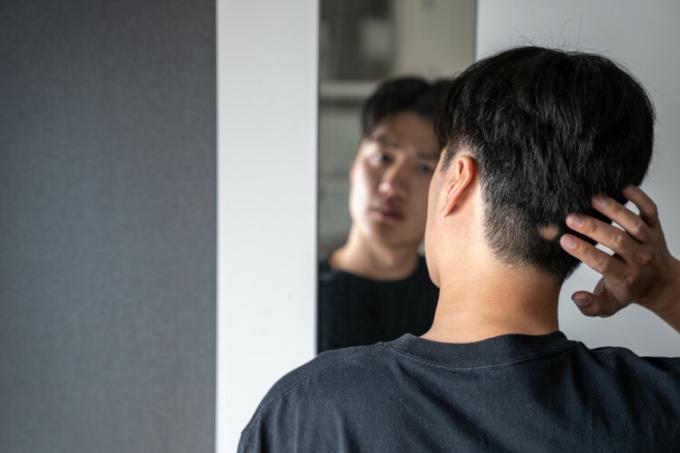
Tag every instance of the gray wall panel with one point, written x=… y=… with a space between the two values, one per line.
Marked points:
x=107 y=226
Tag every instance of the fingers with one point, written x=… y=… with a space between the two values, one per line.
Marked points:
x=629 y=221
x=627 y=273
x=636 y=226
x=648 y=209
x=609 y=236
x=599 y=261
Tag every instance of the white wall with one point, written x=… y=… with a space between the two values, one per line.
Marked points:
x=267 y=102
x=644 y=37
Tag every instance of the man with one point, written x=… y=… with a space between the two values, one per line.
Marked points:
x=530 y=135
x=375 y=287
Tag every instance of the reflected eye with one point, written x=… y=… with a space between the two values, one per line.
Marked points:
x=425 y=169
x=380 y=157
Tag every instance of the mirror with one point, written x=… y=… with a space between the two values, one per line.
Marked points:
x=393 y=149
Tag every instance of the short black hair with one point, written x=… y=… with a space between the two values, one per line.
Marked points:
x=548 y=129
x=402 y=94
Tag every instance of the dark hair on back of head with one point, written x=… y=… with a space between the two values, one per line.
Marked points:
x=402 y=94
x=548 y=129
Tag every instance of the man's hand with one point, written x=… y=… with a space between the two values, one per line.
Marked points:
x=642 y=270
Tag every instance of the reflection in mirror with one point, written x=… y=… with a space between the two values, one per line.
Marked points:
x=384 y=66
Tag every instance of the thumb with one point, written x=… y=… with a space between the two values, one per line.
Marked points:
x=586 y=302
x=592 y=304
x=598 y=303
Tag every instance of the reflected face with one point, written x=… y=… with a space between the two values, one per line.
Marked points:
x=389 y=179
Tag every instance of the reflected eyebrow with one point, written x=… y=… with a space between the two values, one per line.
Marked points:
x=428 y=156
x=383 y=140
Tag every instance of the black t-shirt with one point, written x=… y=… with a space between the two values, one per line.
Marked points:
x=356 y=311
x=512 y=393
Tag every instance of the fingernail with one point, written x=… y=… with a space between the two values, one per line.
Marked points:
x=600 y=201
x=575 y=220
x=568 y=242
x=581 y=300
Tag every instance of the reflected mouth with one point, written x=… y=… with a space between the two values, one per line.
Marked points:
x=388 y=213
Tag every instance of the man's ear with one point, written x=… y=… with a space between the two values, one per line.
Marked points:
x=459 y=178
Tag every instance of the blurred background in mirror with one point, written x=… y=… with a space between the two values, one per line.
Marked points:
x=364 y=42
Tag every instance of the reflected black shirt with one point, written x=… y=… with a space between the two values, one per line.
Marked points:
x=356 y=311
x=512 y=393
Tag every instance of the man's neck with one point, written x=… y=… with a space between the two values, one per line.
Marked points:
x=482 y=302
x=375 y=260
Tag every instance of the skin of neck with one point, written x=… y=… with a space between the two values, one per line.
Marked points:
x=480 y=296
x=375 y=259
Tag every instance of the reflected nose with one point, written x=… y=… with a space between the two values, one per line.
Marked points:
x=393 y=183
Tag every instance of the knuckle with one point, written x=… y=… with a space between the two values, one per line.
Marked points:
x=643 y=258
x=653 y=209
x=619 y=240
x=588 y=226
x=638 y=227
x=603 y=264
x=594 y=311
x=630 y=280
x=615 y=208
x=588 y=310
x=604 y=311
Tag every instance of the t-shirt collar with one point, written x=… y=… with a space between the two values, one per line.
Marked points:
x=496 y=351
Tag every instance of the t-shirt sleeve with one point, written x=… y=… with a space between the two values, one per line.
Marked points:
x=667 y=364
x=270 y=431
x=289 y=424
x=286 y=419
x=249 y=443
x=252 y=442
x=306 y=409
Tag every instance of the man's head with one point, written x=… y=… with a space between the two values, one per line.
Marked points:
x=541 y=131
x=397 y=154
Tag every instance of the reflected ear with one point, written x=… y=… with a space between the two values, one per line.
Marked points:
x=350 y=173
x=459 y=178
x=357 y=156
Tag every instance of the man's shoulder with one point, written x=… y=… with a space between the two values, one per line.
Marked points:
x=334 y=387
x=329 y=371
x=620 y=359
x=332 y=375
